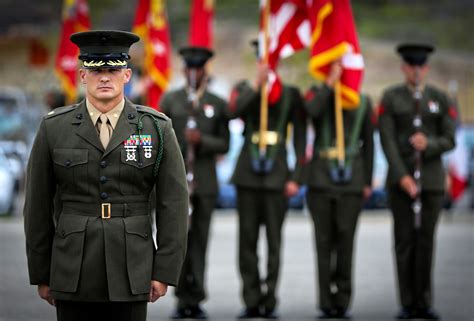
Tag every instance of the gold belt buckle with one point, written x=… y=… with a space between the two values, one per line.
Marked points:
x=271 y=137
x=106 y=210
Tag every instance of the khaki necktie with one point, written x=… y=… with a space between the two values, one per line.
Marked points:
x=104 y=130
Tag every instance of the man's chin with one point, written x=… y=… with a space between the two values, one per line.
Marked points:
x=105 y=96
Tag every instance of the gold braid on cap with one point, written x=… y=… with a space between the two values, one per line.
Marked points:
x=100 y=63
x=93 y=63
x=117 y=63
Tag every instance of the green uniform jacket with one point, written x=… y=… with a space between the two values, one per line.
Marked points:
x=213 y=125
x=245 y=103
x=320 y=103
x=396 y=114
x=80 y=255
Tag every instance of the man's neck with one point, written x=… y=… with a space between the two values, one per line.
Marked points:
x=105 y=106
x=412 y=86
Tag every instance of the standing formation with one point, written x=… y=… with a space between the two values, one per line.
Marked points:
x=94 y=166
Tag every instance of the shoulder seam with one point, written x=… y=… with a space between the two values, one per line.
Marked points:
x=149 y=110
x=60 y=111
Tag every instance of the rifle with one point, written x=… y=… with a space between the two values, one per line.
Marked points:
x=193 y=99
x=417 y=123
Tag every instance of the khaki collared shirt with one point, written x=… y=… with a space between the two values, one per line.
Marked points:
x=413 y=88
x=113 y=114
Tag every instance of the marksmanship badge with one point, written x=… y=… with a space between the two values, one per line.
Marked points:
x=133 y=142
x=145 y=141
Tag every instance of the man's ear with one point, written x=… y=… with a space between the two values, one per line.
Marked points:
x=127 y=75
x=82 y=75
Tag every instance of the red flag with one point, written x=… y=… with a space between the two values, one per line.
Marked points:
x=151 y=24
x=334 y=37
x=38 y=54
x=288 y=32
x=458 y=167
x=75 y=18
x=200 y=28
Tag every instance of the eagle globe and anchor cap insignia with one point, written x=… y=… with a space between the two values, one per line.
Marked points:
x=132 y=143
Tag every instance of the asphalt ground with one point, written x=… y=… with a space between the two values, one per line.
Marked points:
x=375 y=293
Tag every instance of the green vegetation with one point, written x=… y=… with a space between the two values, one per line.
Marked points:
x=447 y=24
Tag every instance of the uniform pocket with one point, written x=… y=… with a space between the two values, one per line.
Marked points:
x=134 y=170
x=68 y=247
x=140 y=253
x=70 y=166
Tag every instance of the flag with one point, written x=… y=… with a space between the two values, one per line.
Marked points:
x=38 y=54
x=334 y=36
x=458 y=167
x=151 y=24
x=288 y=32
x=75 y=18
x=201 y=26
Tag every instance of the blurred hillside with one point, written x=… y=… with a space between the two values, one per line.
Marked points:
x=381 y=25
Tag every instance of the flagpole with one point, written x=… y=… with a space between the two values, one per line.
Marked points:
x=262 y=142
x=340 y=148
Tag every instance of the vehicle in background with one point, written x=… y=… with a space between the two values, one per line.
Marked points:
x=378 y=198
x=20 y=117
x=9 y=186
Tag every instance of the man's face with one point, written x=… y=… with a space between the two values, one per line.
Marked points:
x=415 y=74
x=197 y=73
x=105 y=84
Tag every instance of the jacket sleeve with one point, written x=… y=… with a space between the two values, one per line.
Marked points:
x=242 y=99
x=317 y=100
x=165 y=103
x=38 y=210
x=171 y=211
x=445 y=140
x=299 y=137
x=368 y=147
x=388 y=137
x=218 y=143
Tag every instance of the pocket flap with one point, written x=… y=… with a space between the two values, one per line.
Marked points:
x=138 y=225
x=132 y=159
x=69 y=224
x=70 y=157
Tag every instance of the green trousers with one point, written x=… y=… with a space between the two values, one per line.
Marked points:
x=414 y=248
x=335 y=218
x=191 y=287
x=257 y=207
x=101 y=311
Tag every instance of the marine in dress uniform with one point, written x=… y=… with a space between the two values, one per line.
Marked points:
x=264 y=186
x=414 y=247
x=335 y=196
x=201 y=126
x=91 y=170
